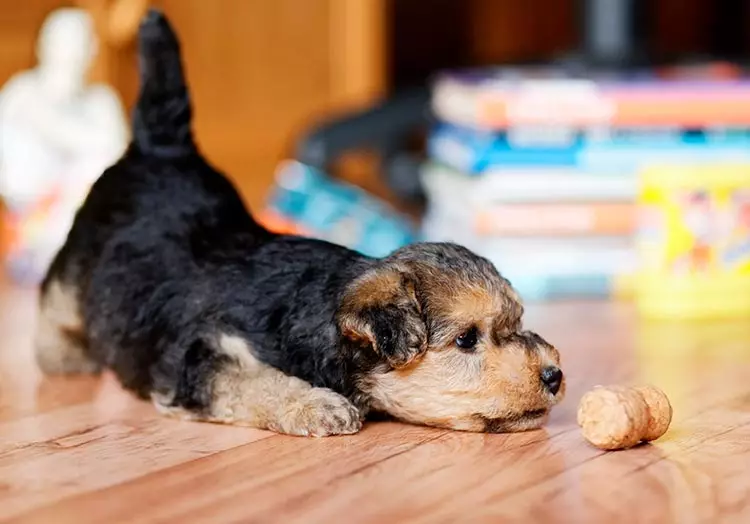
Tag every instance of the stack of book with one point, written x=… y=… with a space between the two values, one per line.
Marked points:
x=538 y=169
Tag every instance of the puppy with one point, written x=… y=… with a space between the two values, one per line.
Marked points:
x=167 y=280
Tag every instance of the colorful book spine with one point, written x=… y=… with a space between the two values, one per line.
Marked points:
x=499 y=102
x=475 y=152
x=557 y=219
x=516 y=186
x=307 y=202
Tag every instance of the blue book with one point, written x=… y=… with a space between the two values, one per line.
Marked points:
x=611 y=151
x=338 y=212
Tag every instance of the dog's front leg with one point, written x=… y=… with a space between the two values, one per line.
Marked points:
x=227 y=384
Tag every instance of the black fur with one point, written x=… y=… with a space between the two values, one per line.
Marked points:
x=164 y=256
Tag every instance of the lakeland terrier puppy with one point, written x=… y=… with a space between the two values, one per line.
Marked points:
x=166 y=280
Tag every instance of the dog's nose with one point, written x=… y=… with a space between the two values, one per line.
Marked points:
x=552 y=378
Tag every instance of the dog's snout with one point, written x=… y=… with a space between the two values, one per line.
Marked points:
x=552 y=379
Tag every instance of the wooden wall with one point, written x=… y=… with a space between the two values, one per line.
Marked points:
x=261 y=71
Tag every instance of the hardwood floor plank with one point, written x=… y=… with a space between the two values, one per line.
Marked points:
x=244 y=482
x=23 y=389
x=48 y=395
x=649 y=484
x=86 y=447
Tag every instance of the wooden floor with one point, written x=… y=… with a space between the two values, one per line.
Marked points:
x=82 y=450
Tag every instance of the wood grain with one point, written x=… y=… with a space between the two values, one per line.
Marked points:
x=82 y=450
x=358 y=52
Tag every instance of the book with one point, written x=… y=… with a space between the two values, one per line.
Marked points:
x=556 y=219
x=305 y=201
x=603 y=150
x=500 y=98
x=451 y=188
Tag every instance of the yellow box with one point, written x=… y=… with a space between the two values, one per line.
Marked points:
x=693 y=241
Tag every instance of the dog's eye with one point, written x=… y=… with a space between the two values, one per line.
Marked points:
x=468 y=339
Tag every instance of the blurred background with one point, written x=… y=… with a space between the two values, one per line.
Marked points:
x=590 y=148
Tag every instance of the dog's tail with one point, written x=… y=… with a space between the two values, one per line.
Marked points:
x=163 y=113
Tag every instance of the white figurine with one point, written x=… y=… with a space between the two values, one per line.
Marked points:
x=57 y=134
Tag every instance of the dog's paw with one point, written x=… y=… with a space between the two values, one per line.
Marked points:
x=318 y=412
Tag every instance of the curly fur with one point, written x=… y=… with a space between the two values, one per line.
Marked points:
x=168 y=281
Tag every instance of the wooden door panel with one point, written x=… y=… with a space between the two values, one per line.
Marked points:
x=258 y=70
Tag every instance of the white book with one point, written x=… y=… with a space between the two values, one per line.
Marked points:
x=525 y=185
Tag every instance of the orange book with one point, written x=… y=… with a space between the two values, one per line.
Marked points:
x=496 y=103
x=683 y=109
x=557 y=219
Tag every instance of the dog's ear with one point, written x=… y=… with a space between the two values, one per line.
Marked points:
x=382 y=309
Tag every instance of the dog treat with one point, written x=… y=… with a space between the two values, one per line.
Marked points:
x=619 y=417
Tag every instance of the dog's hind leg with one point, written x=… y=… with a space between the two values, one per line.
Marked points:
x=225 y=383
x=60 y=340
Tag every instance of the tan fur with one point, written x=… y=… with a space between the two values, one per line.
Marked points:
x=449 y=387
x=376 y=288
x=368 y=290
x=468 y=303
x=392 y=286
x=355 y=328
x=471 y=302
x=59 y=333
x=250 y=393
